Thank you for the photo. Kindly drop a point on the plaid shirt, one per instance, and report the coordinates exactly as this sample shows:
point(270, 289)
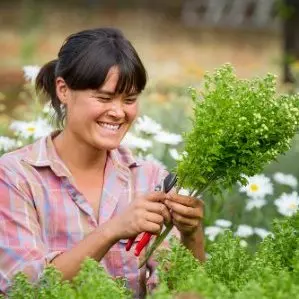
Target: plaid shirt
point(42, 214)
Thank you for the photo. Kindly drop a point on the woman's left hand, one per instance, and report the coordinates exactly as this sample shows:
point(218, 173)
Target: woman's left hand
point(186, 211)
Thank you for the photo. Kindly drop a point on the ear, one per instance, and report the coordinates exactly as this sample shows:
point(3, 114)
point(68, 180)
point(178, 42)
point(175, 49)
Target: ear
point(62, 90)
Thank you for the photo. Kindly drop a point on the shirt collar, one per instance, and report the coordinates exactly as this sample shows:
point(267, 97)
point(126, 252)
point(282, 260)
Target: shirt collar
point(43, 154)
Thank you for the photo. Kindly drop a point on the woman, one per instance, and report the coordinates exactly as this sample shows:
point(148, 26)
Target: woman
point(78, 193)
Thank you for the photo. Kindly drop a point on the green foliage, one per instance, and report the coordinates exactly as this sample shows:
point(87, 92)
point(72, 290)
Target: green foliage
point(21, 288)
point(170, 261)
point(91, 282)
point(276, 253)
point(51, 285)
point(228, 260)
point(230, 272)
point(161, 293)
point(180, 272)
point(239, 126)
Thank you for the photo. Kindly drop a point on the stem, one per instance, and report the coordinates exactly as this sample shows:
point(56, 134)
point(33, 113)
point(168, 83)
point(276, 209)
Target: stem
point(156, 244)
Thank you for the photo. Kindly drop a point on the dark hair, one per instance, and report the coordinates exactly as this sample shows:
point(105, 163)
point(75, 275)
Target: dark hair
point(84, 61)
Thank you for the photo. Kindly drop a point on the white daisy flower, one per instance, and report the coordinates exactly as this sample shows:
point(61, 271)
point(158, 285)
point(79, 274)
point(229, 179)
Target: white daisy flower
point(35, 129)
point(135, 142)
point(147, 125)
point(31, 72)
point(7, 144)
point(255, 203)
point(261, 232)
point(285, 179)
point(213, 231)
point(223, 223)
point(287, 204)
point(168, 138)
point(258, 186)
point(244, 231)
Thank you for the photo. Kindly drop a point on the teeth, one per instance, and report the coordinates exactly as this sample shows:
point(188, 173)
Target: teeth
point(109, 126)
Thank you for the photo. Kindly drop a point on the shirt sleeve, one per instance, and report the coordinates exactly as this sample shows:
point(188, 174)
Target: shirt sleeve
point(21, 245)
point(152, 264)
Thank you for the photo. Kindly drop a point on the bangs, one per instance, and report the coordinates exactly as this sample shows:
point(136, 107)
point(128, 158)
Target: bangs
point(90, 69)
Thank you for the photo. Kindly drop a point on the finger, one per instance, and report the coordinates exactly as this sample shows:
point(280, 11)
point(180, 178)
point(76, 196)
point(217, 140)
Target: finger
point(166, 215)
point(192, 222)
point(185, 211)
point(156, 196)
point(159, 208)
point(182, 199)
point(152, 228)
point(186, 228)
point(155, 218)
point(188, 201)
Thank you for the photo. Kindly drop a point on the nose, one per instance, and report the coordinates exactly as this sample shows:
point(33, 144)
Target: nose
point(116, 110)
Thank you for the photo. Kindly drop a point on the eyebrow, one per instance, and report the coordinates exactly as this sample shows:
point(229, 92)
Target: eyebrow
point(110, 93)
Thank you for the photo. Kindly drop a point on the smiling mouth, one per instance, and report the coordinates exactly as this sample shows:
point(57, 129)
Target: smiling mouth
point(108, 126)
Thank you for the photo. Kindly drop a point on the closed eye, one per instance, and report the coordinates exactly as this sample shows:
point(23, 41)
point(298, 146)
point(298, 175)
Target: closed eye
point(104, 99)
point(130, 100)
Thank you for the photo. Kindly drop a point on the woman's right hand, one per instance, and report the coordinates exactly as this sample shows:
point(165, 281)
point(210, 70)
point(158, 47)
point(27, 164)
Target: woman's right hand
point(146, 213)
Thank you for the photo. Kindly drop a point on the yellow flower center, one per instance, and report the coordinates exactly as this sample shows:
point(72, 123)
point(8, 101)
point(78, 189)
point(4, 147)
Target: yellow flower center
point(31, 129)
point(293, 206)
point(254, 187)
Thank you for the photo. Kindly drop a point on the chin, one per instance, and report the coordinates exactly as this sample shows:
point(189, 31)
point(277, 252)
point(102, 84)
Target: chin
point(107, 145)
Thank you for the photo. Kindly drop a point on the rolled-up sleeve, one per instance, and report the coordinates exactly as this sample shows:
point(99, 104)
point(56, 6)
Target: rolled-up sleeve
point(21, 245)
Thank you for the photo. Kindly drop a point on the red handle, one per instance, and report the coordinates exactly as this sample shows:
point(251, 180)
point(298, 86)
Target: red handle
point(142, 243)
point(130, 243)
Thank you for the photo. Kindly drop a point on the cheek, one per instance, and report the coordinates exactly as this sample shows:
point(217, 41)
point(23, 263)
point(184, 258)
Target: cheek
point(86, 112)
point(132, 112)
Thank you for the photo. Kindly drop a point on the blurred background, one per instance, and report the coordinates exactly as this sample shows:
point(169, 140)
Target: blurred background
point(178, 41)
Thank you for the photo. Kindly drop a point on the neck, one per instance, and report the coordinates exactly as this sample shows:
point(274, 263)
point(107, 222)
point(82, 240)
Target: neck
point(77, 155)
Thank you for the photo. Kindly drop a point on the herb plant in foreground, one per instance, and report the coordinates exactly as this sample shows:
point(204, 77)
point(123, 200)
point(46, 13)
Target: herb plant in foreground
point(239, 126)
point(92, 282)
point(231, 272)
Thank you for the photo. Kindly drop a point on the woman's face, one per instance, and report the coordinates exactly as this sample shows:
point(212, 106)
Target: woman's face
point(100, 117)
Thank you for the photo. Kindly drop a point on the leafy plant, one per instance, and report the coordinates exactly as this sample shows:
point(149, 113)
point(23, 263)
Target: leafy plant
point(228, 259)
point(91, 282)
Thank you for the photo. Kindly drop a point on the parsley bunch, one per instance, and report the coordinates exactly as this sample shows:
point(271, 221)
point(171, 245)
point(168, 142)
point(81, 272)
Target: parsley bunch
point(239, 126)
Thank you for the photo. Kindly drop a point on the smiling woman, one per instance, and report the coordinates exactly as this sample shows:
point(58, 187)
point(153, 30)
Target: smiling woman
point(77, 193)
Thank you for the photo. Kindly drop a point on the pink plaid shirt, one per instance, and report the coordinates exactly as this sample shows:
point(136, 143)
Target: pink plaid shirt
point(42, 214)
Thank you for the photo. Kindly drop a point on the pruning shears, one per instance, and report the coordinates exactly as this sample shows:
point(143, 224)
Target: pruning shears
point(166, 186)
